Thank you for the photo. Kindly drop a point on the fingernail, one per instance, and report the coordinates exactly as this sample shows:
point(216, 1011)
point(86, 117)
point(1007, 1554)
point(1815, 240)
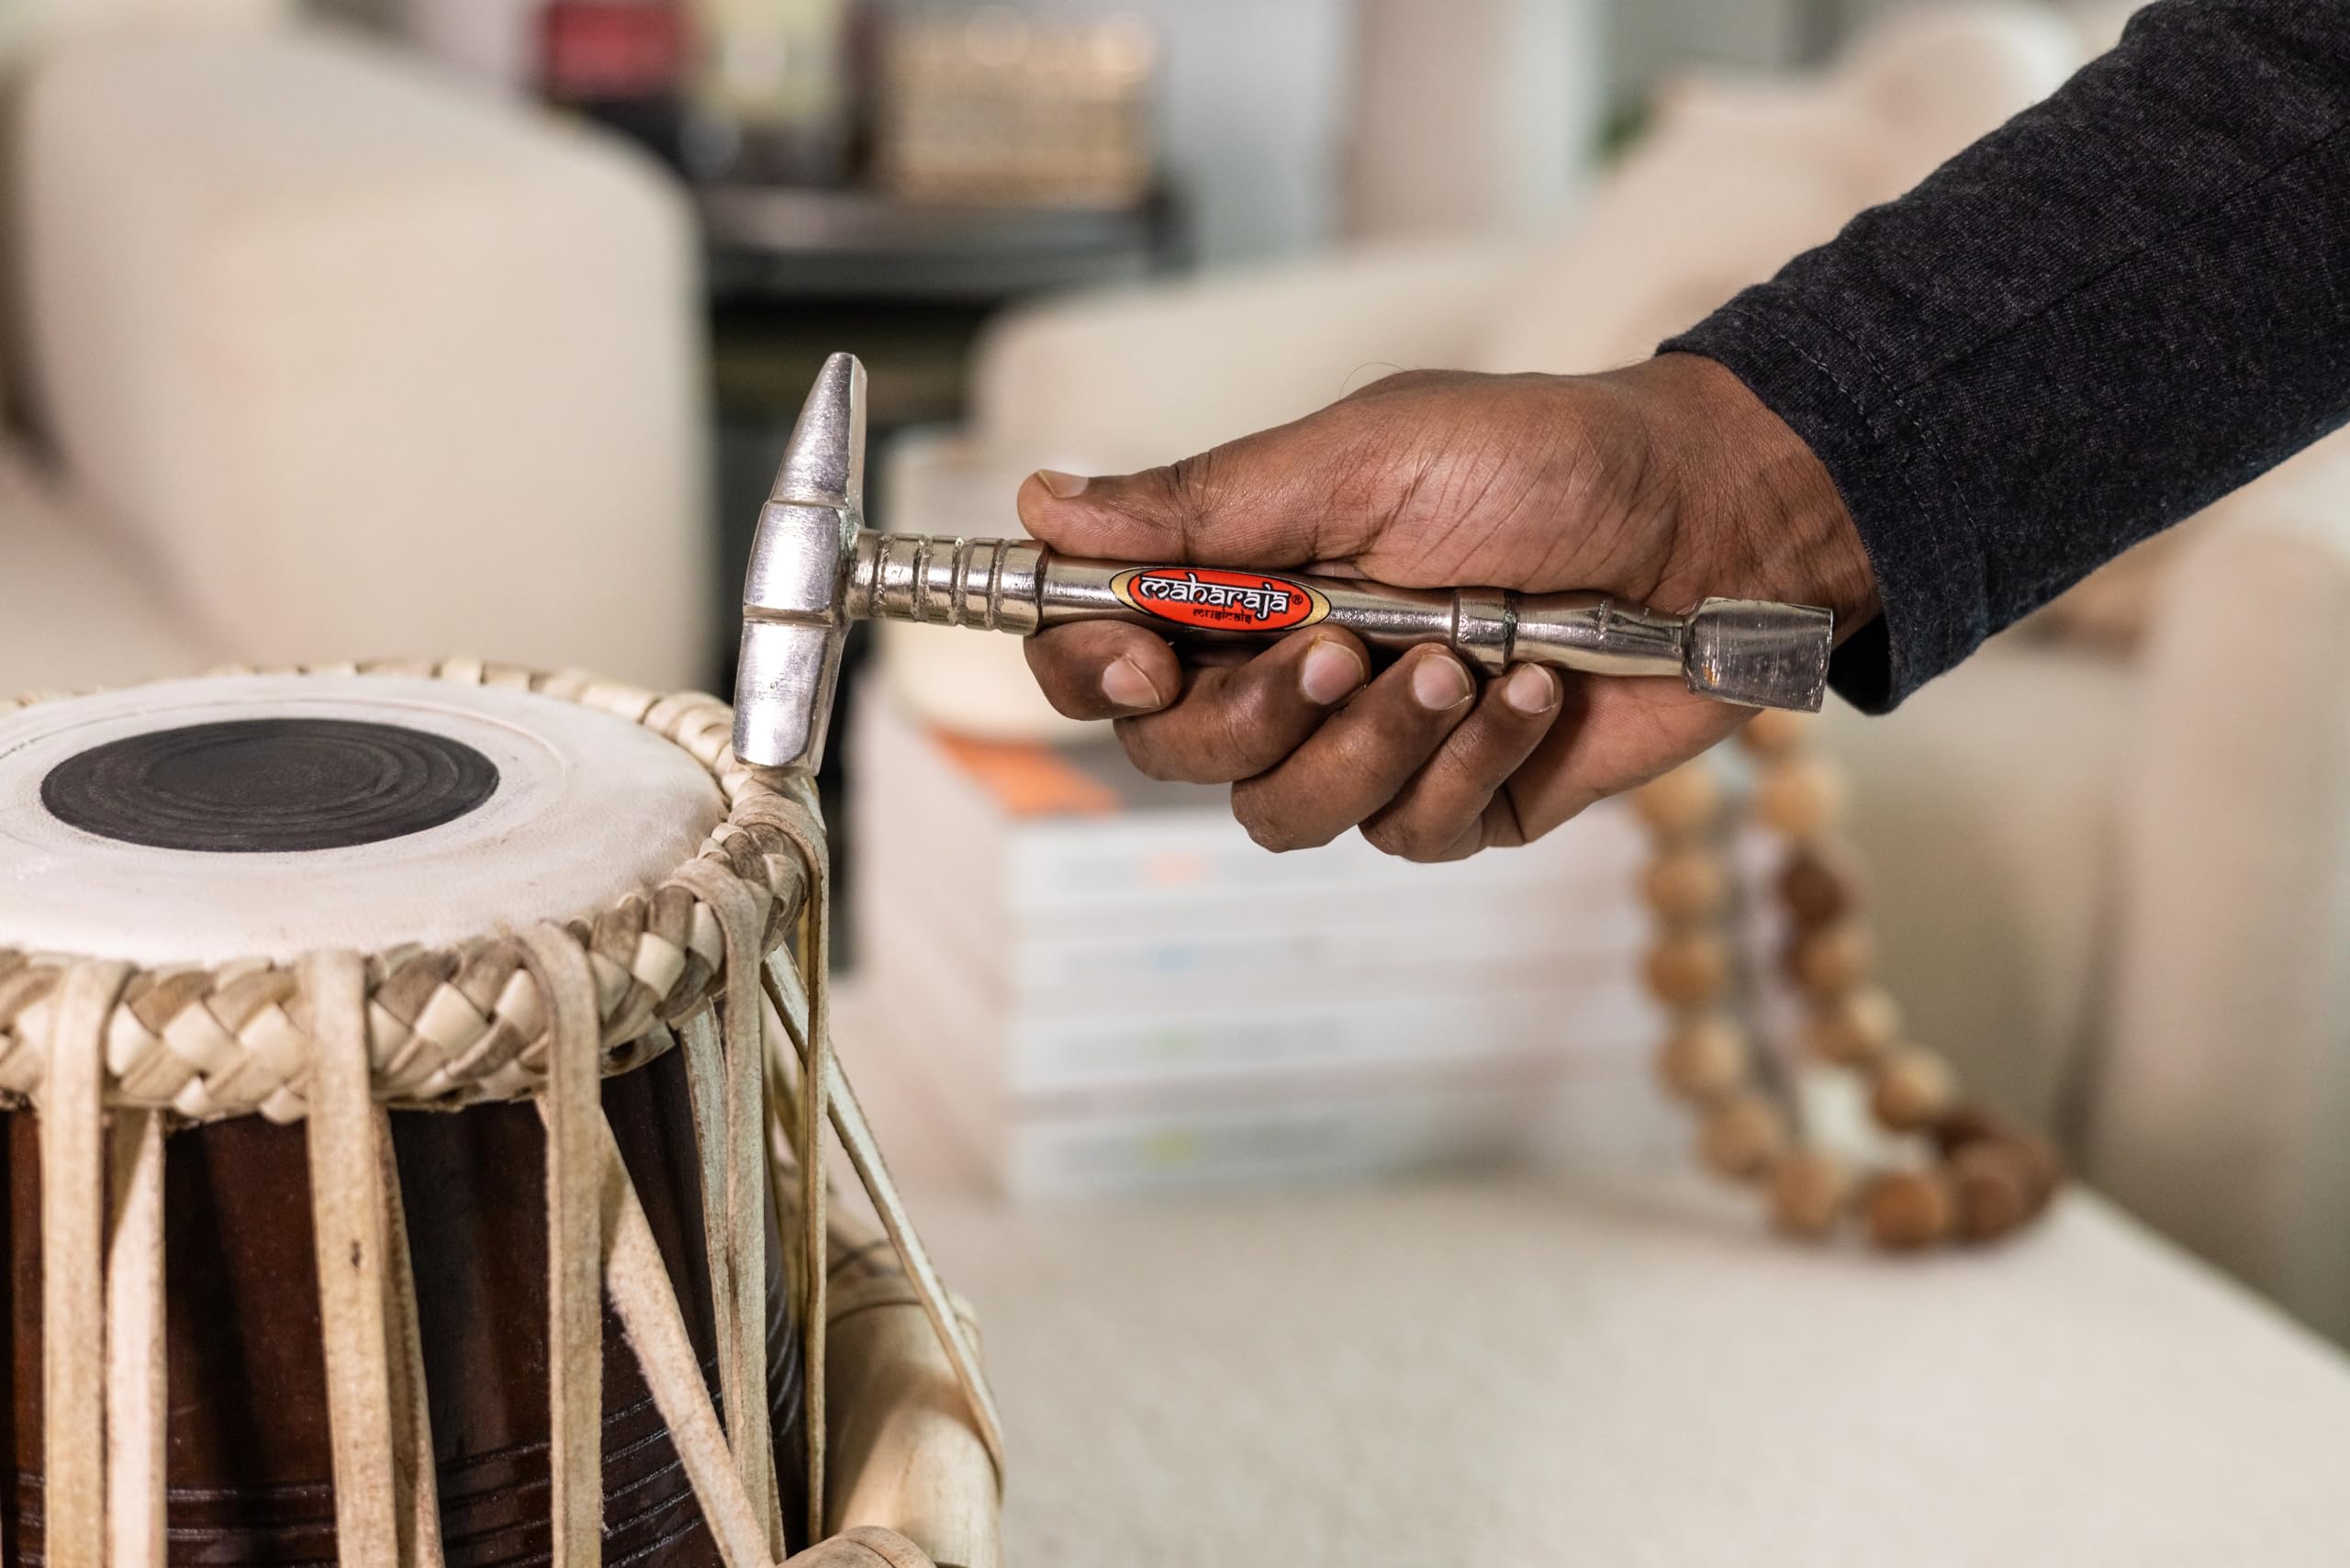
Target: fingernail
point(1438, 683)
point(1064, 487)
point(1125, 684)
point(1530, 689)
point(1331, 671)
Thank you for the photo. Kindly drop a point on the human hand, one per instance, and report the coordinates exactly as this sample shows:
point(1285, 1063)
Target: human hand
point(1662, 483)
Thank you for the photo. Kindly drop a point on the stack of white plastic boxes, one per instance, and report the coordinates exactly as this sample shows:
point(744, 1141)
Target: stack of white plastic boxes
point(1094, 983)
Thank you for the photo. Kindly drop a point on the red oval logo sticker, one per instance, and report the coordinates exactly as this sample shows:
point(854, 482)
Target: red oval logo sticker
point(1213, 599)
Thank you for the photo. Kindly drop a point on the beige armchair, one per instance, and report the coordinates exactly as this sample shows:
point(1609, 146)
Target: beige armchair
point(2109, 884)
point(317, 355)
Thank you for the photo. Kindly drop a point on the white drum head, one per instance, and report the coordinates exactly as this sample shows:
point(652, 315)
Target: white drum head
point(202, 822)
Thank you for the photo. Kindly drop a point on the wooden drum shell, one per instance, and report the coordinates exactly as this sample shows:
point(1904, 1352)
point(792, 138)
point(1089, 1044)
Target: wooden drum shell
point(248, 1456)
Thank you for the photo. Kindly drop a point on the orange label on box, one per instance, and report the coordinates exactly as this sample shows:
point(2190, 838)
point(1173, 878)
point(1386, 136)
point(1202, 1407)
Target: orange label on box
point(1216, 600)
point(1030, 780)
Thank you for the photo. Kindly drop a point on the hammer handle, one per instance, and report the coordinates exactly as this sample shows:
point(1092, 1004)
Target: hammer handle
point(1738, 650)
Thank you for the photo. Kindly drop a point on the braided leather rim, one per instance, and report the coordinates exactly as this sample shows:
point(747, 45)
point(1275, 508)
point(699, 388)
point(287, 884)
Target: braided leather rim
point(447, 1027)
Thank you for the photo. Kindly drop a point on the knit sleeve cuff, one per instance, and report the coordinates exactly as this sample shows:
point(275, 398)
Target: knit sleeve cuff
point(1886, 464)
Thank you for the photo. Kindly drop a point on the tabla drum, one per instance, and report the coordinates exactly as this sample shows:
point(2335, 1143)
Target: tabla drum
point(409, 1072)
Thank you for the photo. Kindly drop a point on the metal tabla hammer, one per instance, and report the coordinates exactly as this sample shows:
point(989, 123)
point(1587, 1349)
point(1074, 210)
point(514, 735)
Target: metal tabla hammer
point(814, 569)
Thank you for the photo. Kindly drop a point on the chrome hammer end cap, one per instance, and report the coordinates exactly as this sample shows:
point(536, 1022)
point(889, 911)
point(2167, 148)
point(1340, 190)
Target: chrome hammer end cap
point(1759, 654)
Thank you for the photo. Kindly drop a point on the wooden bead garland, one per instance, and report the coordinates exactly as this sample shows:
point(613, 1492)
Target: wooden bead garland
point(1808, 1192)
point(1686, 884)
point(1745, 1132)
point(1689, 968)
point(1907, 1210)
point(1854, 1029)
point(1705, 1058)
point(1833, 961)
point(1820, 885)
point(1913, 1086)
point(1978, 1179)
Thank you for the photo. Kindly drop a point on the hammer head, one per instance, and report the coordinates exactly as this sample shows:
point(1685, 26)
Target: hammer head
point(794, 612)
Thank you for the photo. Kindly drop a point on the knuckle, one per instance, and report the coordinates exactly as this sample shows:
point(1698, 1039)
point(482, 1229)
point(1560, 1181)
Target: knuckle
point(1488, 750)
point(1149, 758)
point(1248, 731)
point(1187, 484)
point(1407, 838)
point(1263, 828)
point(1266, 837)
point(1531, 824)
point(1199, 739)
point(1272, 828)
point(1404, 381)
point(1259, 717)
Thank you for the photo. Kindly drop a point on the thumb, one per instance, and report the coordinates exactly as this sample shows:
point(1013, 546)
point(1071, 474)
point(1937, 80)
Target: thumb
point(1270, 499)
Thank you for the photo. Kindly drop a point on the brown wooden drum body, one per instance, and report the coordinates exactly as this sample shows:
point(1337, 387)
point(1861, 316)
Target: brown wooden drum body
point(250, 1460)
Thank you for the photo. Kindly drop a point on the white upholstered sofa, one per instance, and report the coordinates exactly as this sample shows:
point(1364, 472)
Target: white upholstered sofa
point(312, 355)
point(2114, 884)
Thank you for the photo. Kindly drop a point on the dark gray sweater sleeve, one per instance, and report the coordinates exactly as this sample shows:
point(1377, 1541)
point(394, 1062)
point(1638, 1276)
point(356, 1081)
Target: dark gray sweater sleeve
point(2120, 305)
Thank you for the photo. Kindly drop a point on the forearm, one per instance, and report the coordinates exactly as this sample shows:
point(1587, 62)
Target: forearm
point(2120, 305)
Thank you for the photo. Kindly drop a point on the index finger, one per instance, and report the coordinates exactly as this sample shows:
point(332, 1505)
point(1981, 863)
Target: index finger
point(1275, 498)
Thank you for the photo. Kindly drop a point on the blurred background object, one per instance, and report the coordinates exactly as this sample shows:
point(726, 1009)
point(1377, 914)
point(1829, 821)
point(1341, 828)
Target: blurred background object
point(319, 352)
point(772, 89)
point(1092, 985)
point(993, 107)
point(1469, 116)
point(621, 63)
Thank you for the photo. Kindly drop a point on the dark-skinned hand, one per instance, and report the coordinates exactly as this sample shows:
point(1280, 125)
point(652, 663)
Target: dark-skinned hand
point(1663, 484)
